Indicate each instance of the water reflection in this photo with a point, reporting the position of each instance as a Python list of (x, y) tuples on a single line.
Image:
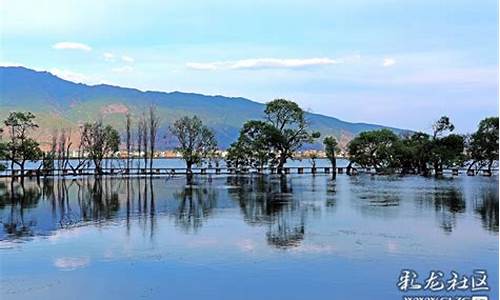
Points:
[(195, 205), (487, 208), (282, 206)]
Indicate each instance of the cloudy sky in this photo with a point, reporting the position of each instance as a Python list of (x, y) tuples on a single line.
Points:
[(399, 63)]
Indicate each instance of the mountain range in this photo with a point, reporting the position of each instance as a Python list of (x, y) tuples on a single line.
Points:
[(59, 103)]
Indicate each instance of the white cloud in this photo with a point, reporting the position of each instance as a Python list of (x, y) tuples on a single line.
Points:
[(127, 59), (77, 77), (264, 63), (202, 66), (108, 56), (389, 62), (70, 75), (71, 263), (9, 64), (124, 69), (71, 46)]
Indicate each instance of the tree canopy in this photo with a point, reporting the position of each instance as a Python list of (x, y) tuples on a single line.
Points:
[(196, 141), (99, 141), (483, 144), (19, 147)]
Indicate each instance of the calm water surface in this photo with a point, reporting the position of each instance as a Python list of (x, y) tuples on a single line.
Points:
[(302, 237)]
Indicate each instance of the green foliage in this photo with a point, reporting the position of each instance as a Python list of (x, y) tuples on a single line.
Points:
[(196, 141), (20, 147), (274, 140), (331, 148), (99, 141), (374, 148), (441, 126), (483, 144), (445, 151), (254, 146)]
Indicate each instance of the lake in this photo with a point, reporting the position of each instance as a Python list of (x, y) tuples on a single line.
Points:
[(243, 237)]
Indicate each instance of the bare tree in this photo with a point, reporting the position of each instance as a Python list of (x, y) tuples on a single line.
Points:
[(140, 125), (63, 148), (145, 139), (154, 122), (81, 158), (128, 125)]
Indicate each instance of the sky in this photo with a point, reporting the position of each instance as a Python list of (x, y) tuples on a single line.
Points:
[(390, 62)]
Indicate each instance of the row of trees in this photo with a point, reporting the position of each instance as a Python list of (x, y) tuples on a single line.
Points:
[(419, 153), (261, 143)]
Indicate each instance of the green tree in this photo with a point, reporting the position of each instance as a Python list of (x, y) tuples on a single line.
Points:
[(374, 149), (331, 150), (290, 129), (196, 141), (445, 150), (254, 146), (99, 141), (412, 153), (237, 155), (483, 145), (3, 152), (20, 147), (441, 126)]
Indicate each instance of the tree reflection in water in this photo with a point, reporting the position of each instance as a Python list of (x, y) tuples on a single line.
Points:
[(281, 205), (195, 205), (487, 208), (269, 201), (16, 198)]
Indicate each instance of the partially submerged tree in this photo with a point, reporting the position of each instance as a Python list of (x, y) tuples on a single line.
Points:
[(254, 147), (128, 137), (154, 122), (20, 147), (3, 151), (291, 129), (445, 150), (331, 150), (99, 141), (196, 141), (374, 149), (483, 144)]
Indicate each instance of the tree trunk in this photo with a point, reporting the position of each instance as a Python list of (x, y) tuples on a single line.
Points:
[(334, 168), (348, 169), (151, 161), (489, 166), (22, 169), (98, 168), (281, 163)]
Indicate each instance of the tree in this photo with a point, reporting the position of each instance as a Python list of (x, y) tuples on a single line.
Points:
[(144, 138), (445, 150), (331, 149), (3, 152), (290, 129), (441, 126), (140, 131), (483, 145), (374, 149), (196, 141), (99, 141), (154, 122), (20, 147), (128, 139), (237, 155), (255, 144)]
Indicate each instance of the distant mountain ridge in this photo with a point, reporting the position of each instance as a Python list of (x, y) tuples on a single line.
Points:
[(59, 103)]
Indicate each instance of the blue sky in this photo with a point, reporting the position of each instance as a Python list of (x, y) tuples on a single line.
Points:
[(398, 63)]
